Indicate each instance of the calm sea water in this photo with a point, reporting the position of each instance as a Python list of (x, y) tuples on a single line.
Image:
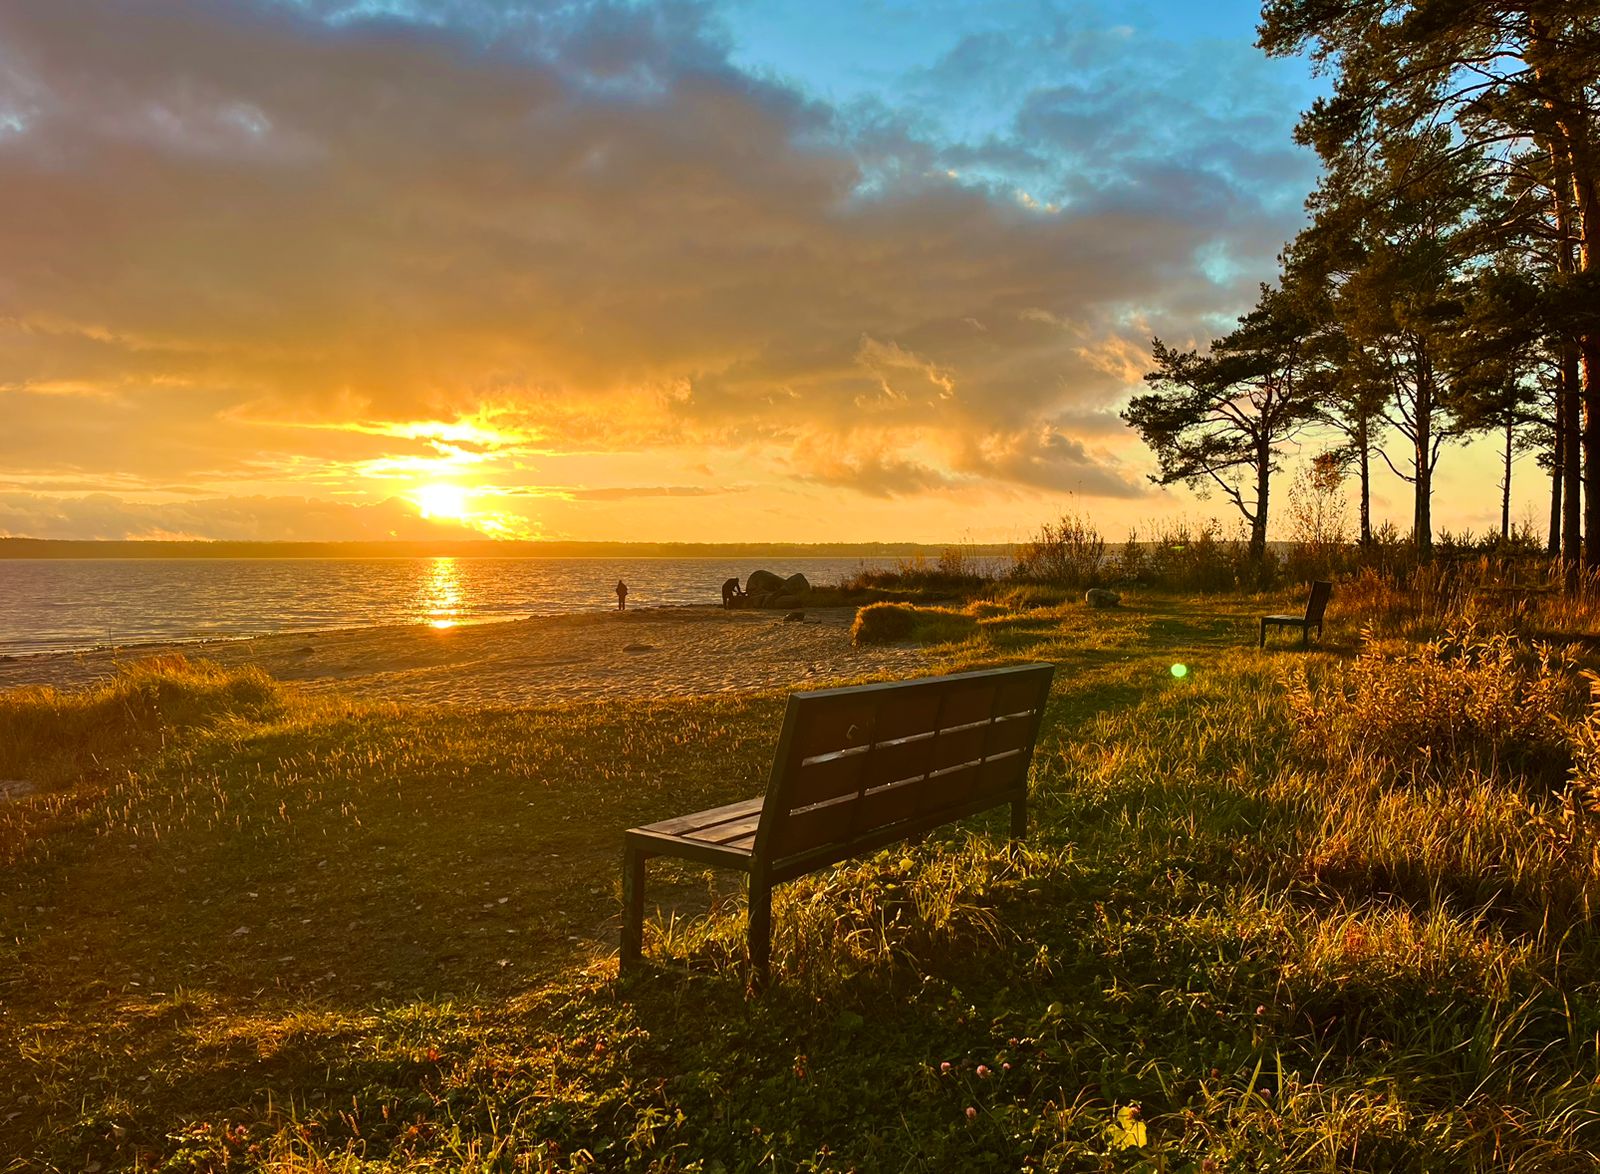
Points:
[(50, 605)]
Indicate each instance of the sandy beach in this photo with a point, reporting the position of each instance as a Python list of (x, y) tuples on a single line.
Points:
[(665, 652)]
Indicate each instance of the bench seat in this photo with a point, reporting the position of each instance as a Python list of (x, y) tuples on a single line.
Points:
[(717, 835)]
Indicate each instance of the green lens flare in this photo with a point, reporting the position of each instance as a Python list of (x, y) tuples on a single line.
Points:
[(1180, 671)]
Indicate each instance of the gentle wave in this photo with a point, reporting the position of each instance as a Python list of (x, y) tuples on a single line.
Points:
[(51, 605)]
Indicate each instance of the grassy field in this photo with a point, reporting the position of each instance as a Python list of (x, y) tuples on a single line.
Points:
[(1326, 911)]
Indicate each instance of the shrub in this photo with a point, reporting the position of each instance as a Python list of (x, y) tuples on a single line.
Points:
[(1069, 552), (1182, 558), (1318, 538), (1445, 707), (958, 570)]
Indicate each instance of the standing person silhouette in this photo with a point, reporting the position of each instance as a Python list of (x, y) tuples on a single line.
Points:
[(622, 596)]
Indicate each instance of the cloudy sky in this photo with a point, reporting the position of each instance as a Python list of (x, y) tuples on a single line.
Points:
[(832, 271)]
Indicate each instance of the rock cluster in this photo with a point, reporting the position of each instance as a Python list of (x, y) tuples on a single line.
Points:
[(765, 589)]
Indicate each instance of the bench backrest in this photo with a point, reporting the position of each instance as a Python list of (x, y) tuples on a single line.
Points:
[(1318, 603), (861, 767)]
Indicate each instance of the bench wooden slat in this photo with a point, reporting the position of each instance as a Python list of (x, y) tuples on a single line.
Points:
[(1017, 697), (829, 777), (689, 824), (836, 725), (954, 747), (908, 758), (966, 704), (732, 830), (724, 855), (813, 827), (914, 712), (1009, 733), (871, 841), (893, 803)]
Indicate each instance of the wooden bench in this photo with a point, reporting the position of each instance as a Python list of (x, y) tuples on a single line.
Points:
[(1316, 605), (857, 769)]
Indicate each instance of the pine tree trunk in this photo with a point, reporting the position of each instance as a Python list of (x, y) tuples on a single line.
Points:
[(1557, 444), (1505, 491), (1589, 351), (1571, 459), (1586, 211), (1364, 443), (1422, 514), (1258, 524)]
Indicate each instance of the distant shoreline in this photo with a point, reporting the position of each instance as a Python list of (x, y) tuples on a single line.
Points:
[(137, 647), (53, 548)]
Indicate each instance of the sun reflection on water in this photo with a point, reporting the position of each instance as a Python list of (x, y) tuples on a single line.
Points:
[(441, 593)]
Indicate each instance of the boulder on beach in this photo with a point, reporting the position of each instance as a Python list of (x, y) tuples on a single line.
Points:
[(764, 589), (762, 583)]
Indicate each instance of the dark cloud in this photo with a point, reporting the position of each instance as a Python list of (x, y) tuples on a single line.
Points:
[(220, 217)]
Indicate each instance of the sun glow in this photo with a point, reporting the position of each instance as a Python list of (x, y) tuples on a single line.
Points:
[(443, 500)]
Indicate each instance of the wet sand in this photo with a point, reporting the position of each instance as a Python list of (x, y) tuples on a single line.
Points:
[(665, 652)]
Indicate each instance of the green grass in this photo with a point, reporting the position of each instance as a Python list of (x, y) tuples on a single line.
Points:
[(248, 929)]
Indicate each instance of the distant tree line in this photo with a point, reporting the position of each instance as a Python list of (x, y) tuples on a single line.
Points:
[(1446, 285)]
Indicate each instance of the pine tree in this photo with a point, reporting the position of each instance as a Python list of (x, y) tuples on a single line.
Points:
[(1220, 420)]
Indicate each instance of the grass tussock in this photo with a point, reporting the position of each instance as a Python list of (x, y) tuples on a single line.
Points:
[(897, 623), (51, 737)]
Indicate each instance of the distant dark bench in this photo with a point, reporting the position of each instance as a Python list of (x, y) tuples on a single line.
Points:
[(1315, 606), (857, 769)]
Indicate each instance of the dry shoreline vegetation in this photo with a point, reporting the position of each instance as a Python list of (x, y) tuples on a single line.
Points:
[(1325, 911)]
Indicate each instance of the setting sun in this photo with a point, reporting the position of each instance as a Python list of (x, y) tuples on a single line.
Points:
[(444, 501)]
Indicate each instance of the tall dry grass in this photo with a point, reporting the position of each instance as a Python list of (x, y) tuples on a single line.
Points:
[(51, 735), (1466, 702)]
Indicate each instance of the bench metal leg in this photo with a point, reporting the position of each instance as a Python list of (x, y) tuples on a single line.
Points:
[(1019, 828), (633, 868), (760, 927), (1263, 643)]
